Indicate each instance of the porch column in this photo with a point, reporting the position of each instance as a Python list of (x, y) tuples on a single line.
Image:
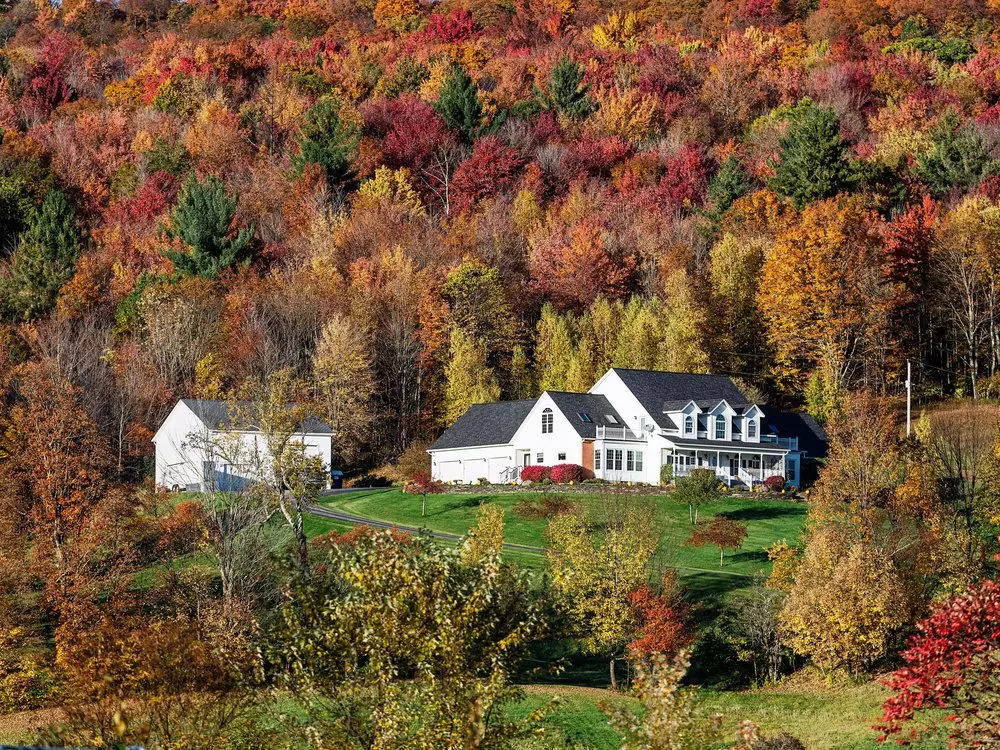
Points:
[(761, 477)]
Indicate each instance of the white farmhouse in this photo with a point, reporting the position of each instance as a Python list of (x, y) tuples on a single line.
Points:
[(630, 424), (199, 447)]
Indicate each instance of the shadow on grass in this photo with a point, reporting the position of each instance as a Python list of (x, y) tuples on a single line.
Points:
[(762, 514)]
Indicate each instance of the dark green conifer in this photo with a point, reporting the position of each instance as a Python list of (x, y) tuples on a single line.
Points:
[(203, 221), (326, 140), (44, 260), (565, 92), (459, 106), (813, 161)]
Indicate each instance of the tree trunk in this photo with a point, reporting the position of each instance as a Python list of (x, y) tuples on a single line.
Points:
[(722, 554), (614, 681), (423, 504), (691, 513)]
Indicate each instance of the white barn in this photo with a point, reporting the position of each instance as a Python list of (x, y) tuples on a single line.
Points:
[(200, 448), (630, 424)]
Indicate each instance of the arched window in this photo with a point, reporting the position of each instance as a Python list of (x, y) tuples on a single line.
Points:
[(720, 427), (688, 425), (752, 428), (546, 421)]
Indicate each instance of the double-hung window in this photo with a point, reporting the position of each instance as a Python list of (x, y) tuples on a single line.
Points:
[(614, 460), (597, 460), (688, 424), (633, 461), (720, 427), (546, 421), (752, 428)]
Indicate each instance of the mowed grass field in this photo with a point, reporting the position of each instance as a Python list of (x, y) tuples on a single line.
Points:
[(768, 520)]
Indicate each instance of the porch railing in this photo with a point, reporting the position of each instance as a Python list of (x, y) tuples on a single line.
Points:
[(749, 477), (618, 433)]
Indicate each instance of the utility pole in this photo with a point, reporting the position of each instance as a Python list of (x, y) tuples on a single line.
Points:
[(909, 388)]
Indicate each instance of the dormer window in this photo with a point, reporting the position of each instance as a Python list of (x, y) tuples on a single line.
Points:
[(611, 418), (720, 427), (547, 421), (752, 429), (688, 424), (584, 417)]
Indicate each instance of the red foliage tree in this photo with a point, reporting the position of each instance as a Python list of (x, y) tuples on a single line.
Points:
[(722, 532), (576, 270), (457, 27), (410, 128), (686, 180), (48, 84), (953, 663), (422, 484), (663, 620), (490, 170)]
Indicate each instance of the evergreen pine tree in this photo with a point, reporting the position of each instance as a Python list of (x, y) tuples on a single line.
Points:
[(468, 378), (730, 184), (45, 258), (566, 93), (459, 106), (960, 157), (329, 142), (812, 164), (202, 220)]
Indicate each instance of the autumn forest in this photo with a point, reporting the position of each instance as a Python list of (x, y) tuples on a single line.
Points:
[(390, 210)]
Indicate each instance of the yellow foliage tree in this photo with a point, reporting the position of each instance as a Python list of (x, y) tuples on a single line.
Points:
[(468, 378), (594, 581), (620, 31), (845, 604), (393, 185), (823, 296), (630, 114), (685, 327), (486, 537)]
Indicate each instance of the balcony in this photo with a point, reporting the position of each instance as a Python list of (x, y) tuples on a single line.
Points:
[(789, 443), (619, 433)]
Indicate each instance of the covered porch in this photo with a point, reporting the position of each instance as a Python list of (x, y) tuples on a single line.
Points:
[(749, 467)]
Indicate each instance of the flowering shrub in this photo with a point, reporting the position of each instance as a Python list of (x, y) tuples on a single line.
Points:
[(563, 473), (775, 484), (534, 473)]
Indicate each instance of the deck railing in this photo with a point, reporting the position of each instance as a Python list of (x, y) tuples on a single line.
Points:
[(619, 433)]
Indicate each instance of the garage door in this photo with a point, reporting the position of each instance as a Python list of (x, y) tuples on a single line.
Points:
[(498, 468), (450, 471), (474, 469)]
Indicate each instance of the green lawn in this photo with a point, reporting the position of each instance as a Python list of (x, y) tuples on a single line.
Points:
[(768, 521), (823, 718)]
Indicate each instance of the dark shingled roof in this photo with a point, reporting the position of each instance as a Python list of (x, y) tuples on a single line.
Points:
[(812, 438), (654, 389), (216, 415), (485, 424), (572, 405)]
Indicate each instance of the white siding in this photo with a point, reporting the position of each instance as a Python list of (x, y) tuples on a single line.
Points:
[(614, 390), (563, 439), (182, 465), (467, 465)]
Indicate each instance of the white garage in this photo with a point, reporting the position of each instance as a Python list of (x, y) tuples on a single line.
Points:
[(450, 471), (473, 469)]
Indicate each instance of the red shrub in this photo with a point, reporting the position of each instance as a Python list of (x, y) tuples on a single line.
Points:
[(563, 473), (775, 484), (490, 169), (534, 473)]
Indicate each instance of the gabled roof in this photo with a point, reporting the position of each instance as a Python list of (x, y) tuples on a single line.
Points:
[(217, 415), (574, 405), (812, 437), (657, 390), (485, 424)]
